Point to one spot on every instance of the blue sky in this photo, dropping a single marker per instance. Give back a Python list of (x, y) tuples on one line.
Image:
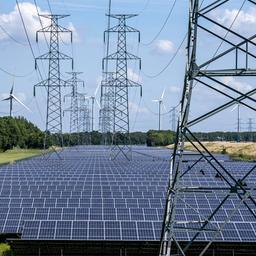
[(88, 22)]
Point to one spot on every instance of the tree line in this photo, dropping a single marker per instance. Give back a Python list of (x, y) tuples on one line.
[(19, 132)]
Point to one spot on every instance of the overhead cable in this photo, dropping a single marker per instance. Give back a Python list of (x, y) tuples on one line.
[(170, 61), (163, 26), (11, 37)]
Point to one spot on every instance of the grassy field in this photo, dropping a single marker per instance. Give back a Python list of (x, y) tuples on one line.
[(11, 156), (239, 151)]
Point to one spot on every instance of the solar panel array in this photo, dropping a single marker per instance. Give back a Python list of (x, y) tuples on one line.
[(88, 197)]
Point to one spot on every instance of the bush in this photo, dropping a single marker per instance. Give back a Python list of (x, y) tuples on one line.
[(224, 151), (160, 138), (5, 250)]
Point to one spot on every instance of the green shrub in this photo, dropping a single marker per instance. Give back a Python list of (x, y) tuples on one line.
[(5, 250)]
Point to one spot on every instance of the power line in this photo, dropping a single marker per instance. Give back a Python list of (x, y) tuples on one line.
[(225, 36), (26, 33), (145, 7), (121, 80), (30, 45), (177, 189), (108, 35), (163, 26), (25, 29), (49, 5), (162, 114), (170, 61), (177, 51), (41, 23), (13, 75), (54, 82), (28, 39), (65, 6), (29, 42), (48, 46), (11, 37), (40, 20)]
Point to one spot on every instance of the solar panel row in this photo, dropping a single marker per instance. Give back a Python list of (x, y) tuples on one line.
[(87, 196)]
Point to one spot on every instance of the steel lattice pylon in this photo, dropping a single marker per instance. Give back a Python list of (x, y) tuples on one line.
[(107, 106), (107, 96), (74, 82), (236, 57), (54, 82), (85, 119), (121, 129), (173, 118)]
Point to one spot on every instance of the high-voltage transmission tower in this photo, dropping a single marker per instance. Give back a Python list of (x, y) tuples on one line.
[(174, 118), (107, 96), (74, 82), (251, 128), (53, 83), (85, 119), (235, 58), (107, 102), (121, 126), (250, 125)]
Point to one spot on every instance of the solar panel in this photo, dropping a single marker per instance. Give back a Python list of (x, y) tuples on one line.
[(88, 197)]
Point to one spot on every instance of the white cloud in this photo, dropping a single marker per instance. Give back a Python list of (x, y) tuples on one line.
[(240, 86), (245, 21), (163, 46), (133, 107), (11, 22), (174, 89), (75, 35), (77, 7), (132, 75)]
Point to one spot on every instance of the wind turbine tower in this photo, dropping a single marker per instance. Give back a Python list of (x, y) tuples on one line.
[(160, 103)]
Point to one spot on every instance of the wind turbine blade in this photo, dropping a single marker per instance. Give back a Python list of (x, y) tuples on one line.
[(97, 102), (6, 99), (11, 92), (13, 81), (21, 103), (162, 97), (165, 109), (234, 108), (97, 89), (155, 100)]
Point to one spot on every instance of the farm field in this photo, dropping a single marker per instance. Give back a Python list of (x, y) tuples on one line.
[(11, 156), (238, 151)]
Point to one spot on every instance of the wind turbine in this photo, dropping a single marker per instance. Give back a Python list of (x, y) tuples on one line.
[(12, 98), (94, 99), (160, 102)]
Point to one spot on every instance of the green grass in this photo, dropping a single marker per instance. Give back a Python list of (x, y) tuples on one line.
[(5, 250), (11, 156)]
